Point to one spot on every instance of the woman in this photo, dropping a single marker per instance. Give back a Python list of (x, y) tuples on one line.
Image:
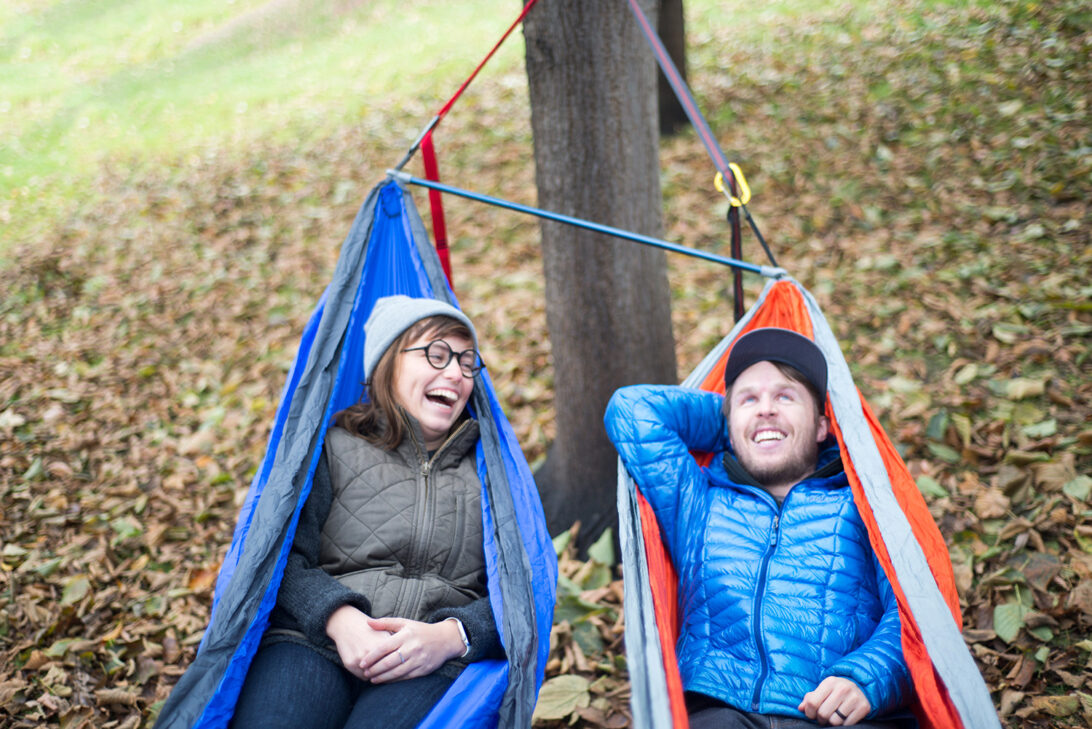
[(383, 600)]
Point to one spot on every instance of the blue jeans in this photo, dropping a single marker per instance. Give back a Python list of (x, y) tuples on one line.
[(708, 713), (290, 686)]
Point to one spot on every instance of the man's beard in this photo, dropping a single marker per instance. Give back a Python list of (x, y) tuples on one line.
[(800, 465)]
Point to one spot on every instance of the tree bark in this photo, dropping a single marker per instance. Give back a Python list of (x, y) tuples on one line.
[(608, 311), (672, 30)]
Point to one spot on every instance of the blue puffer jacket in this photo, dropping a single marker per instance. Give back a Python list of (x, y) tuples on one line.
[(774, 599)]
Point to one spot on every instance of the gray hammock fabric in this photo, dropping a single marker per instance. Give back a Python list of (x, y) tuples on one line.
[(386, 252), (651, 701)]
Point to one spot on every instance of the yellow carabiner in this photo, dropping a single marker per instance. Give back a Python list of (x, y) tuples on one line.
[(744, 188)]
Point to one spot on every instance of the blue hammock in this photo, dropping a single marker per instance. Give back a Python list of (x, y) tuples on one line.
[(386, 252)]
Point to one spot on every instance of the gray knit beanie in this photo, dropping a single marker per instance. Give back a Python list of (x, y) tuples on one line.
[(393, 315)]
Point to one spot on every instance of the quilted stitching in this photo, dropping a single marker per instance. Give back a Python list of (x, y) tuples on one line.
[(375, 540)]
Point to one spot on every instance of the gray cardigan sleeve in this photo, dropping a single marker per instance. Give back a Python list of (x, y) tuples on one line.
[(481, 628), (307, 593)]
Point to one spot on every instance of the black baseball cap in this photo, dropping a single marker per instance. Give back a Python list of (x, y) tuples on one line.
[(773, 344)]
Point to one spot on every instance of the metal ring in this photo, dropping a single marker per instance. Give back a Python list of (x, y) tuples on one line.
[(402, 659), (839, 713)]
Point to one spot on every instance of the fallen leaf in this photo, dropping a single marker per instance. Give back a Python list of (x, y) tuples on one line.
[(561, 696), (10, 420), (202, 580), (1022, 388), (1009, 700), (991, 504), (10, 688), (1057, 705), (1079, 488), (37, 660), (1080, 597), (75, 589), (1008, 619), (120, 697)]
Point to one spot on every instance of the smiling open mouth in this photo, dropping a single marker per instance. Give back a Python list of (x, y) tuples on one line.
[(764, 436), (442, 397)]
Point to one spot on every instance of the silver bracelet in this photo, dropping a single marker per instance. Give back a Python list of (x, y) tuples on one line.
[(462, 635)]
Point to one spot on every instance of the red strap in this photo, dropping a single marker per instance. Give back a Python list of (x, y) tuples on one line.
[(485, 60), (439, 228), (428, 153)]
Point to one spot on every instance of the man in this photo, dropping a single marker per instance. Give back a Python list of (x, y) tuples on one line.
[(787, 617)]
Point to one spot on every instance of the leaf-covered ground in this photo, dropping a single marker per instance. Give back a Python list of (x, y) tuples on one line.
[(925, 171)]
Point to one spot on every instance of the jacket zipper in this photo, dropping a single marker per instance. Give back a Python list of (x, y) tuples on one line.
[(423, 534), (760, 641)]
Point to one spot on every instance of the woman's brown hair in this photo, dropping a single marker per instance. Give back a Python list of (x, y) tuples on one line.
[(378, 419)]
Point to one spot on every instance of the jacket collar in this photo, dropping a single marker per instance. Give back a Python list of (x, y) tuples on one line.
[(458, 443)]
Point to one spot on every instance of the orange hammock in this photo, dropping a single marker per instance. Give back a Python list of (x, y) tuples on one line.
[(949, 689)]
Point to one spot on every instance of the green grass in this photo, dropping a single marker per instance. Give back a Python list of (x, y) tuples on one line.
[(124, 84), (89, 83), (764, 24)]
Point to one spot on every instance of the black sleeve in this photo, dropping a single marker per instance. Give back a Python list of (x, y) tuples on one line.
[(481, 628), (307, 593)]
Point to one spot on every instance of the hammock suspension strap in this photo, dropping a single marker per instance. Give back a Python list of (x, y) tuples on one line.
[(725, 170), (428, 151), (737, 191)]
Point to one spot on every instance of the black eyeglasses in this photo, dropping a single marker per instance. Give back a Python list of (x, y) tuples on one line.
[(439, 354)]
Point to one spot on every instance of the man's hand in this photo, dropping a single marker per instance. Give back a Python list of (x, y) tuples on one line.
[(836, 701)]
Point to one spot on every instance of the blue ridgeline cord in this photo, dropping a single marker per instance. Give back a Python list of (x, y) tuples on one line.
[(767, 271)]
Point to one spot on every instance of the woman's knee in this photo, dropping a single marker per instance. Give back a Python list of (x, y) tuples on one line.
[(290, 685), (398, 705)]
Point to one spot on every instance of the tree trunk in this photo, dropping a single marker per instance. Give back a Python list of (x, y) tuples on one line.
[(672, 30), (608, 311)]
